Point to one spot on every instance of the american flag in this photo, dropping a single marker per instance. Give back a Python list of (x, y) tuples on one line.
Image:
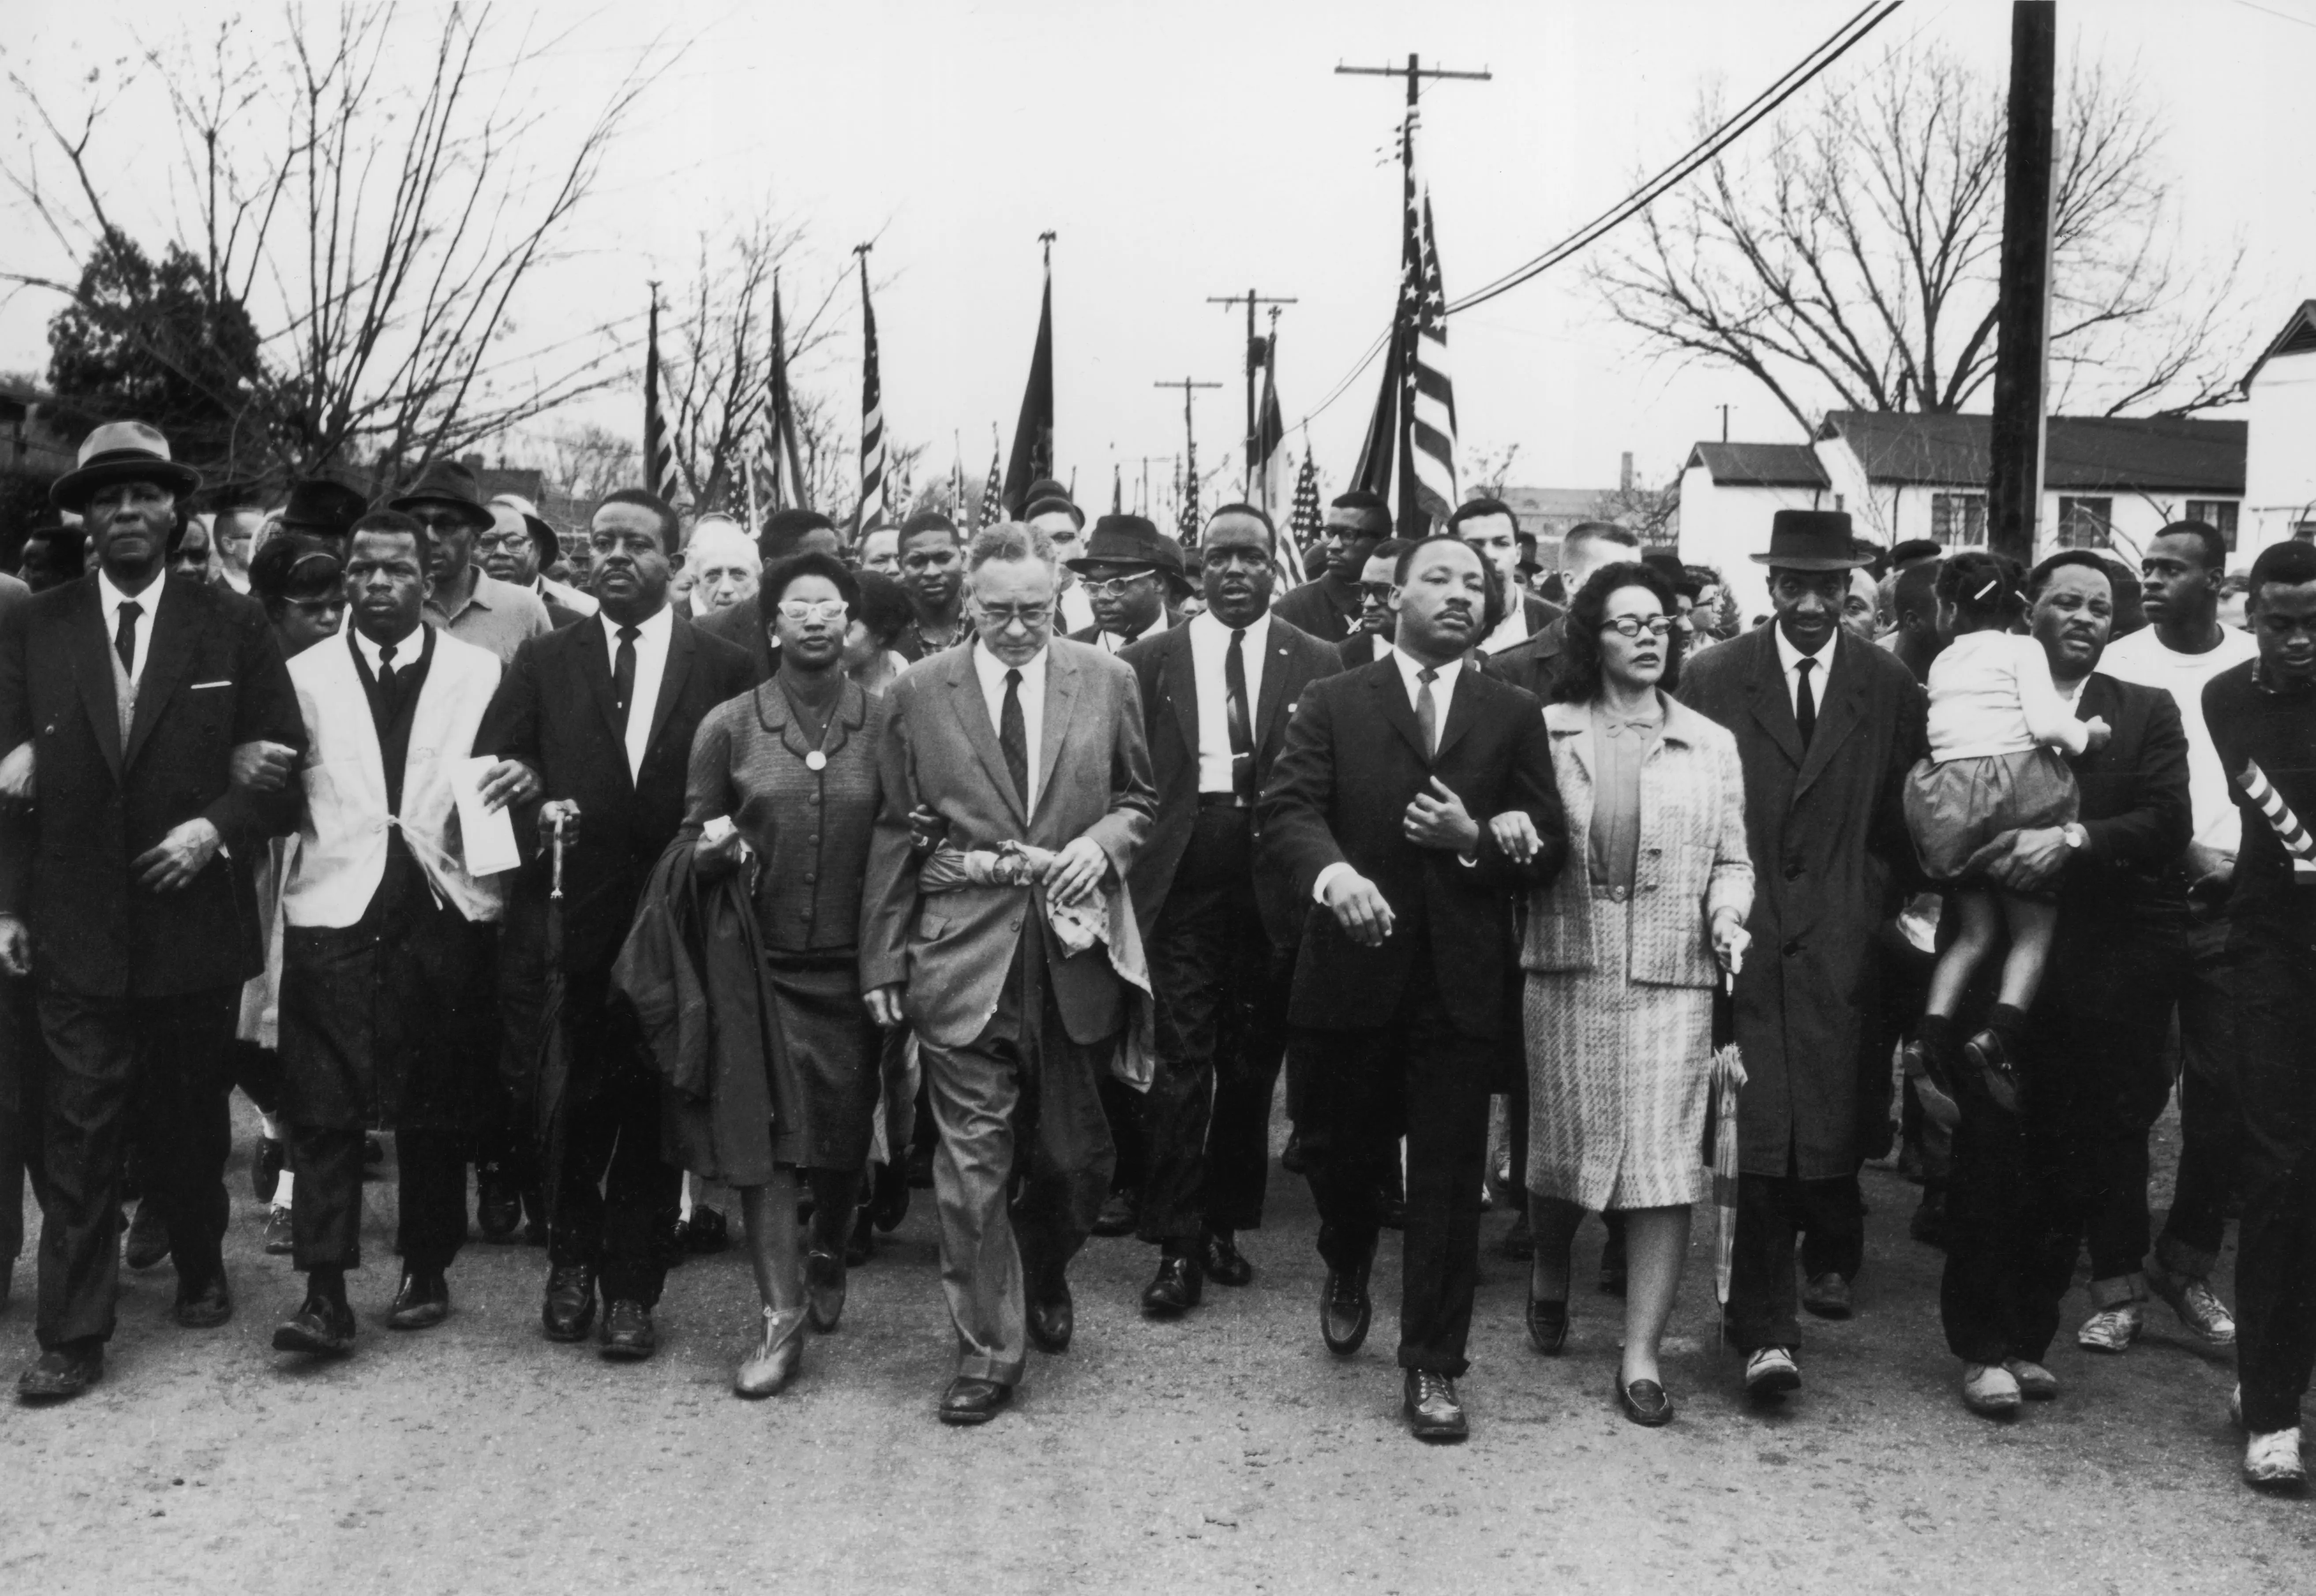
[(958, 509), (1305, 525), (1186, 524), (657, 455), (1427, 409), (872, 412), (992, 492)]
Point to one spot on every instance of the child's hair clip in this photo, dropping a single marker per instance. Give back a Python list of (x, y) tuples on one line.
[(1983, 591)]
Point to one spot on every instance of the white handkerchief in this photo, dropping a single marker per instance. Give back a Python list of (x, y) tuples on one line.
[(487, 834)]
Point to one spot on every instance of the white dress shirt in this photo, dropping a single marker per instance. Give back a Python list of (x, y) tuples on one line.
[(1209, 651), (1075, 609), (110, 598), (406, 650), (1032, 695), (1512, 630), (652, 637), (1789, 659), (1443, 694)]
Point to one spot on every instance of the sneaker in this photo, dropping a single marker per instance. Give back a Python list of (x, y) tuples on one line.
[(2272, 1461), (2035, 1383), (2199, 1306), (1990, 1388), (279, 1241), (1771, 1371), (2111, 1329)]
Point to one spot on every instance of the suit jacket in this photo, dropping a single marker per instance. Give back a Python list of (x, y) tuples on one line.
[(1352, 763), (1360, 648), (954, 949), (1534, 664), (2136, 814), (1827, 833), (554, 712), (341, 856), (213, 679), (1163, 666), (1311, 608), (742, 625)]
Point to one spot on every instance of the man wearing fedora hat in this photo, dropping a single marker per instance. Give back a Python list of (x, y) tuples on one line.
[(467, 602), (125, 882), (324, 508), (519, 548), (1826, 727), (1133, 573)]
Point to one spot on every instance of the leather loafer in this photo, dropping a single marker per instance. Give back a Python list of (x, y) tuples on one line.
[(1548, 1325), (888, 1197), (320, 1325), (1178, 1288), (1644, 1402), (62, 1372), (823, 1289), (1290, 1156), (281, 1232), (498, 1206), (265, 1164), (1433, 1413), (149, 1236), (627, 1333), (1344, 1308), (423, 1302), (570, 1307), (1827, 1296), (1121, 1211), (970, 1401), (1222, 1261), (1052, 1317), (205, 1305), (768, 1369)]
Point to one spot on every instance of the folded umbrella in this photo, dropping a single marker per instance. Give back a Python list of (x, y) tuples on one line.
[(1727, 1079)]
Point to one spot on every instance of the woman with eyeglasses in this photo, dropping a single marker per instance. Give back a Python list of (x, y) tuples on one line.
[(784, 788), (1623, 952)]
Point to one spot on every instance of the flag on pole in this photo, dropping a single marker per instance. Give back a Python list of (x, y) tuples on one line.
[(872, 414), (1272, 460), (993, 493), (1033, 433), (657, 456), (958, 509), (1304, 525), (785, 465), (1185, 523), (1426, 489), (1117, 490)]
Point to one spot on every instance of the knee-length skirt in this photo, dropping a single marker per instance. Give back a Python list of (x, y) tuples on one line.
[(1618, 1073)]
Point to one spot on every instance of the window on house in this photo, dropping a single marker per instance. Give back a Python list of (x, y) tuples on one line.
[(1958, 520), (2217, 512), (2083, 523)]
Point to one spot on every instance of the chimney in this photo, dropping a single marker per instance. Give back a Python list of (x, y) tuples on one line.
[(1625, 475), (473, 462)]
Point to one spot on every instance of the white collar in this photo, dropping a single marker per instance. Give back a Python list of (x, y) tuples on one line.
[(406, 650), (654, 629), (991, 669), (1410, 668), (1205, 624), (1789, 657), (112, 597)]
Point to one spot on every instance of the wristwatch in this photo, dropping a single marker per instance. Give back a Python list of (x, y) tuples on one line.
[(2074, 834)]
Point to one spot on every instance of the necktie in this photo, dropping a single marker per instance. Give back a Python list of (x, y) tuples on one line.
[(385, 664), (1427, 712), (1013, 736), (1241, 735), (623, 670), (124, 635), (1806, 701)]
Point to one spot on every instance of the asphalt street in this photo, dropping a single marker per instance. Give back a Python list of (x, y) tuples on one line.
[(1225, 1452)]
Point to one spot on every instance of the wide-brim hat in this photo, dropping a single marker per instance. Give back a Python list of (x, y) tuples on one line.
[(447, 481), (1811, 540), (117, 452), (321, 507), (1130, 540), (542, 535)]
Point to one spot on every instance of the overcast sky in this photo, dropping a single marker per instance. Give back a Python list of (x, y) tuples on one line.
[(1186, 149)]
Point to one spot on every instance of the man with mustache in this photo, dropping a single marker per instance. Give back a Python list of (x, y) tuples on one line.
[(1375, 815)]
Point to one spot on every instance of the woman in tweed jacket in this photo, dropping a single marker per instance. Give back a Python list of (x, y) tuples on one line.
[(1623, 952)]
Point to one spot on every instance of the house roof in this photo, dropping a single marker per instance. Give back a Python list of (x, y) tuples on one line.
[(2080, 452), (2298, 338), (1543, 505), (1760, 465)]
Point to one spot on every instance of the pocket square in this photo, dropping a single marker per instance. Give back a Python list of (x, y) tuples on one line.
[(221, 682)]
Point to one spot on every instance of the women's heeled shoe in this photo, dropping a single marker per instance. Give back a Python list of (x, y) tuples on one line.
[(770, 1368), (1548, 1325)]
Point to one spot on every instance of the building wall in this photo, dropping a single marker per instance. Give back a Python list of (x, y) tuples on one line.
[(1725, 527), (2280, 454)]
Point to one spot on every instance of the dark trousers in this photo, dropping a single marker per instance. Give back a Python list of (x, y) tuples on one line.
[(508, 1140), (1774, 1214), (1421, 1078), (2210, 1112), (325, 1209), (2276, 1261), (1221, 999), (168, 1056), (2015, 1217), (22, 1074), (613, 1193)]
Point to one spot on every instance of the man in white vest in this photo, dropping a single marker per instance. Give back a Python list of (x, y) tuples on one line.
[(388, 1015)]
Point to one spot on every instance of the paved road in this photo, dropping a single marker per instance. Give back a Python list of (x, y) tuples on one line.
[(1228, 1452)]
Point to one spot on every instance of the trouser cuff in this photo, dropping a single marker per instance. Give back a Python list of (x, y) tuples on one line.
[(2118, 1291)]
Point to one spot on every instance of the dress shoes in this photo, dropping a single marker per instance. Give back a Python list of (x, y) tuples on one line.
[(888, 1197), (1644, 1402), (281, 1231), (1290, 1156), (421, 1302), (1176, 1289), (62, 1372), (823, 1289), (149, 1236), (1224, 1263), (1433, 1413), (1771, 1371), (1121, 1211), (205, 1304), (767, 1370), (1053, 1317), (627, 1333), (920, 1167), (1991, 1390), (266, 1160), (322, 1326), (1345, 1310), (861, 1245), (970, 1401), (1998, 1073), (498, 1204), (1827, 1296), (570, 1307), (1548, 1325)]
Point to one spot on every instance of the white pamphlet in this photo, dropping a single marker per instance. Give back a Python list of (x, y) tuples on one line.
[(487, 834)]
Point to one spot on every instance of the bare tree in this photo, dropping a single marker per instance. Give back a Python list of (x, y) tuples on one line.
[(376, 223), (1486, 471), (584, 463), (1849, 258), (1651, 513)]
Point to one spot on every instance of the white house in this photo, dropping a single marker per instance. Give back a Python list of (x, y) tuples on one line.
[(1728, 493), (2280, 461)]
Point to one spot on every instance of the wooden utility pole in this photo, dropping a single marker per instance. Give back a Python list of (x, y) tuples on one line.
[(1189, 438), (1257, 354), (2014, 484)]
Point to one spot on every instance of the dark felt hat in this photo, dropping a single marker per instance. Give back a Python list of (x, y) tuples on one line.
[(322, 508), (447, 481), (1811, 540), (118, 452), (1130, 540)]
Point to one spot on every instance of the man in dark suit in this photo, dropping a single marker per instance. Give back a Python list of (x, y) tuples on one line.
[(603, 714), (1372, 641), (1329, 607), (1216, 696), (1375, 815), (2029, 1191), (1827, 728), (1133, 575), (788, 532), (126, 888)]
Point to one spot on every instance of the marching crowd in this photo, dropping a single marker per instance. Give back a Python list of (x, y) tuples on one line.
[(1021, 864)]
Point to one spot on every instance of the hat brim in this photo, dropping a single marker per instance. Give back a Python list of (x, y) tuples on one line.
[(1814, 563), (71, 490), (477, 516), (1131, 567)]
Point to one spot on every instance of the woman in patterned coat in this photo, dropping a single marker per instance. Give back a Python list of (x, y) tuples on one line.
[(1623, 952)]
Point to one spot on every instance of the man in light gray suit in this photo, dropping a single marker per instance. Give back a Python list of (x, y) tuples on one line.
[(1024, 738)]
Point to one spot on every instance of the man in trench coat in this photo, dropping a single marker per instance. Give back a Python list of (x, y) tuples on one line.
[(1827, 728)]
